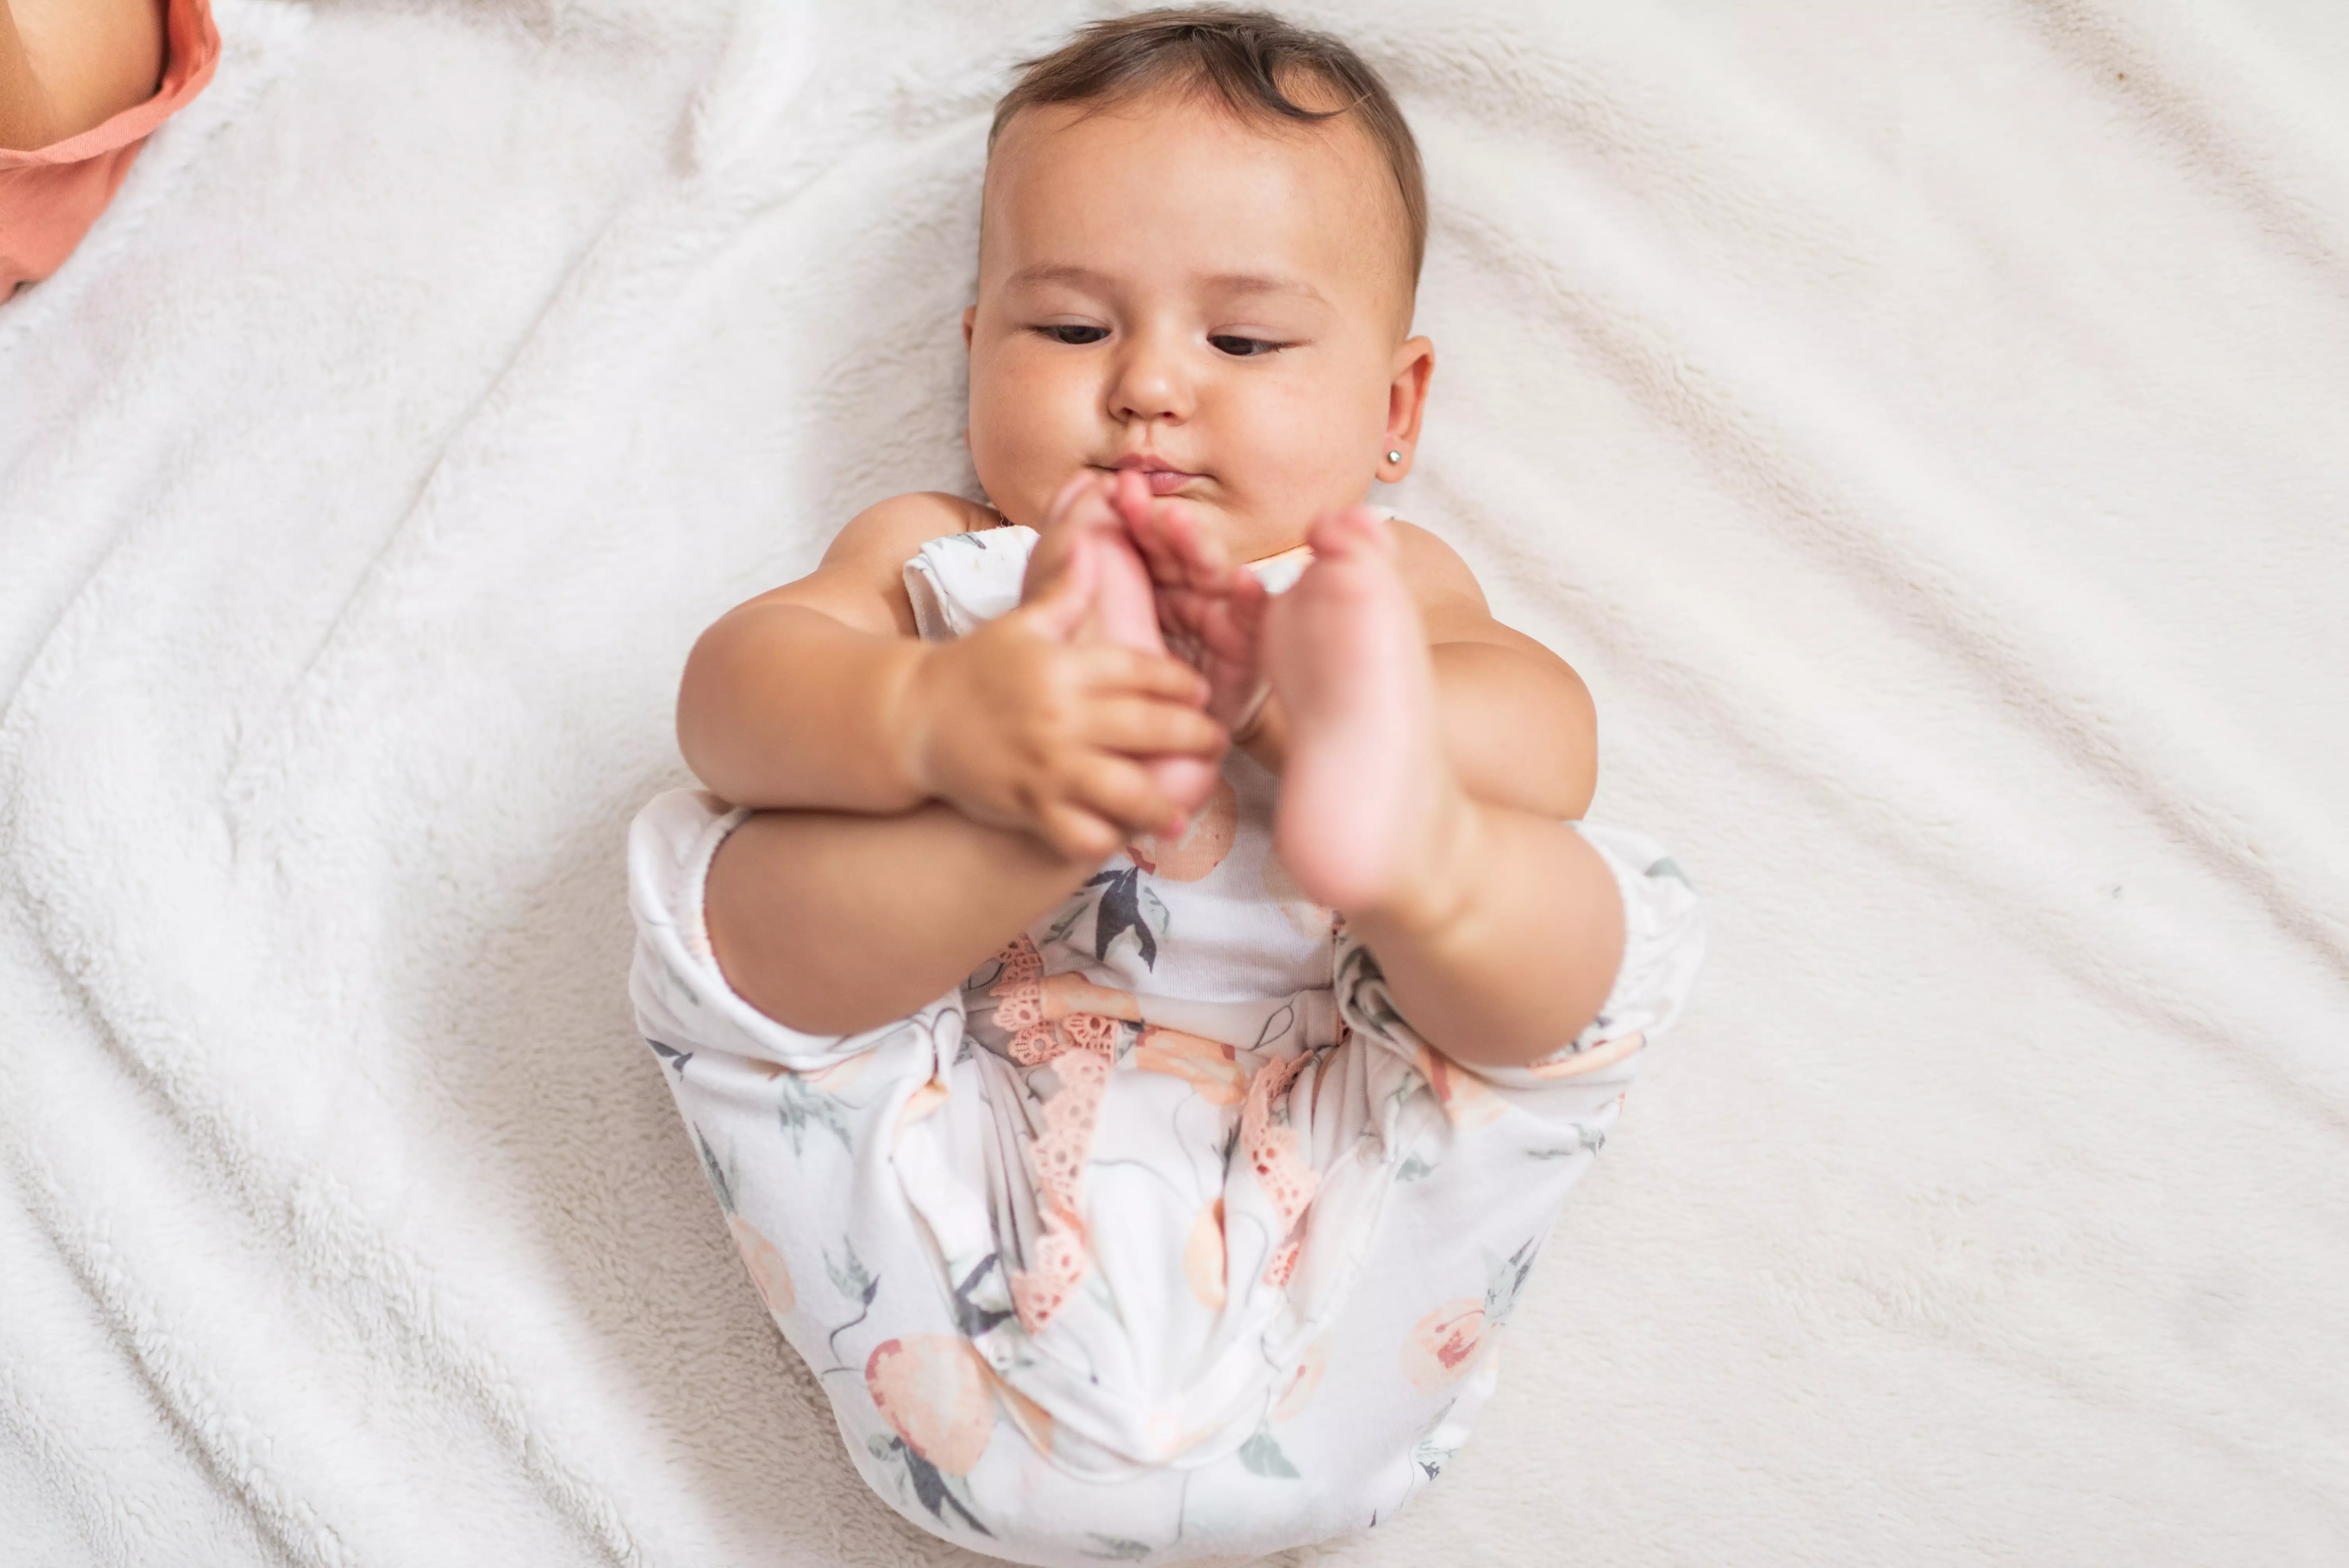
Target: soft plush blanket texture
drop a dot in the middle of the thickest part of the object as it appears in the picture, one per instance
(1927, 427)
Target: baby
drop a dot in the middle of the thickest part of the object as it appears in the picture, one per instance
(1137, 985)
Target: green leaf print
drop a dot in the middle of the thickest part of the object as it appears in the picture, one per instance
(802, 1108)
(1068, 919)
(1263, 1456)
(849, 1276)
(1117, 1549)
(1508, 1282)
(1429, 1455)
(934, 1491)
(718, 1182)
(1362, 987)
(851, 1279)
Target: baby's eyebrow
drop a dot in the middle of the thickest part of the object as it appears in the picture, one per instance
(1096, 281)
(1262, 282)
(1058, 273)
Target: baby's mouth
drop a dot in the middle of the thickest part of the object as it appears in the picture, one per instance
(1162, 478)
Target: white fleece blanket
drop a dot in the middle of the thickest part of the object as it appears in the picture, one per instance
(1924, 426)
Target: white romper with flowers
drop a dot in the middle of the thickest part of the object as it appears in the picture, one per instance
(1164, 1237)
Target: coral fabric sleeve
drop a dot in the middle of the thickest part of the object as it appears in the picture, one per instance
(50, 196)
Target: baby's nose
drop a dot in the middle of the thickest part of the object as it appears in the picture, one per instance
(1149, 382)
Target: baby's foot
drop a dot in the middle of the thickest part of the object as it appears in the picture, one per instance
(1125, 612)
(1211, 612)
(1369, 804)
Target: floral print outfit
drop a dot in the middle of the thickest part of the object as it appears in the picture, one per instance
(1164, 1237)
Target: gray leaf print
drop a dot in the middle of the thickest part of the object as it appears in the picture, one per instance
(1263, 1456)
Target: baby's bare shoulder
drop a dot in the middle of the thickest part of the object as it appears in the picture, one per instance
(1449, 598)
(861, 579)
(1451, 602)
(885, 535)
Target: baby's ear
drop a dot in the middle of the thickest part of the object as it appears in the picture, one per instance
(969, 317)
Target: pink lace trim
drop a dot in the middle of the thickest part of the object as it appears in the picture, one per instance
(1021, 1007)
(1081, 1048)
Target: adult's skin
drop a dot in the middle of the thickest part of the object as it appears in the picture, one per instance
(70, 65)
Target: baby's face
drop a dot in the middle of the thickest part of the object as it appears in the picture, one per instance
(1163, 286)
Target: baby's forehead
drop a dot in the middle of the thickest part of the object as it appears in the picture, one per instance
(1170, 157)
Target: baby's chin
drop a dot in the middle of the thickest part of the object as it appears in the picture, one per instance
(1248, 525)
(1245, 531)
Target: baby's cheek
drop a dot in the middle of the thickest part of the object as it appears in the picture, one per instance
(1031, 429)
(1304, 446)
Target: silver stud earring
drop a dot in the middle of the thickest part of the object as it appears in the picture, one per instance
(1394, 456)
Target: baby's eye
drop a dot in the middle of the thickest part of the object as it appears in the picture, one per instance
(1074, 335)
(1242, 347)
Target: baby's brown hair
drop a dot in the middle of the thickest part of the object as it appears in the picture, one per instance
(1247, 59)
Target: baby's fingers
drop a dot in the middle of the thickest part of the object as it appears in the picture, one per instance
(1110, 668)
(1078, 834)
(1140, 727)
(1122, 789)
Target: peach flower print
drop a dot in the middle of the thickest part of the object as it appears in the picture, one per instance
(1467, 1100)
(765, 1263)
(1210, 1066)
(832, 1079)
(1443, 1345)
(1202, 846)
(935, 1391)
(1303, 1380)
(918, 1105)
(1606, 1053)
(1203, 1255)
(1031, 1419)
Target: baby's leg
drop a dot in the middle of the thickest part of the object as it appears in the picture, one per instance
(68, 66)
(1499, 931)
(830, 922)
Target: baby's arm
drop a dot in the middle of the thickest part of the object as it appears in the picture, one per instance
(68, 66)
(923, 801)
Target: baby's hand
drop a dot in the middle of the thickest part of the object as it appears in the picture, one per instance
(1211, 610)
(1031, 723)
(1124, 605)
